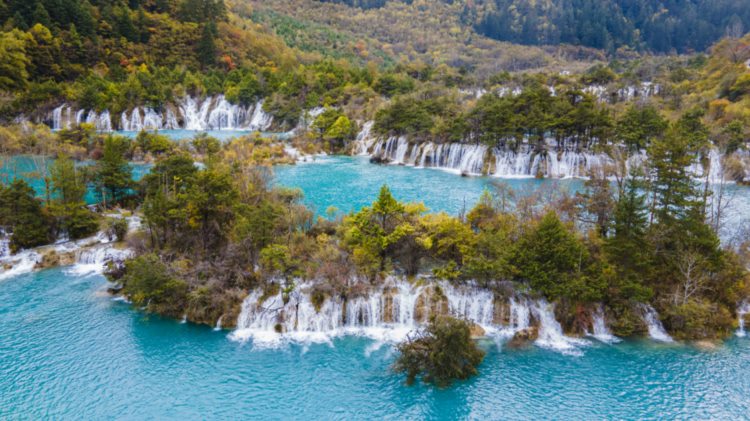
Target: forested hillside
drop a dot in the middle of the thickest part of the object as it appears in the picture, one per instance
(644, 25)
(432, 32)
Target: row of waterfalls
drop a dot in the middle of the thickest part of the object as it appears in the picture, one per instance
(524, 161)
(190, 113)
(390, 312)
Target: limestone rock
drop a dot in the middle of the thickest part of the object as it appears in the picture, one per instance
(477, 331)
(523, 337)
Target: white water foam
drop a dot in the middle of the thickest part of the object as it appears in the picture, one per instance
(388, 314)
(20, 263)
(473, 159)
(742, 311)
(550, 332)
(655, 329)
(600, 330)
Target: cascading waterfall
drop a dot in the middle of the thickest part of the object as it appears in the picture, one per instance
(19, 263)
(550, 332)
(477, 159)
(94, 259)
(89, 255)
(742, 311)
(212, 113)
(364, 141)
(62, 117)
(218, 324)
(655, 329)
(475, 304)
(4, 245)
(389, 313)
(600, 330)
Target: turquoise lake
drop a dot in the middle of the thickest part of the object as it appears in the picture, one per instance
(69, 351)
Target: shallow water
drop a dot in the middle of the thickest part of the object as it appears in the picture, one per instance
(68, 351)
(348, 183)
(30, 169)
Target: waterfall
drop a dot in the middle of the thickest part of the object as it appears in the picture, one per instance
(195, 116)
(550, 332)
(20, 263)
(742, 311)
(364, 142)
(601, 331)
(520, 314)
(152, 119)
(62, 117)
(94, 259)
(260, 120)
(171, 120)
(184, 319)
(4, 245)
(655, 329)
(475, 304)
(390, 312)
(102, 122)
(457, 157)
(226, 116)
(218, 324)
(212, 113)
(470, 158)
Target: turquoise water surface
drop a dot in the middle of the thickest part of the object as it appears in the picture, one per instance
(68, 351)
(30, 169)
(348, 183)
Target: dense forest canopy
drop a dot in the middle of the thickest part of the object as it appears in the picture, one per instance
(651, 25)
(643, 25)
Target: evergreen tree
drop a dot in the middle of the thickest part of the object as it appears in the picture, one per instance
(207, 45)
(629, 248)
(639, 126)
(23, 214)
(113, 174)
(13, 60)
(375, 232)
(68, 206)
(552, 261)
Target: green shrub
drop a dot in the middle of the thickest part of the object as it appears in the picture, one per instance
(117, 228)
(443, 352)
(148, 282)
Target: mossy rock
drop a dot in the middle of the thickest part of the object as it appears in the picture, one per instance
(49, 260)
(477, 331)
(524, 337)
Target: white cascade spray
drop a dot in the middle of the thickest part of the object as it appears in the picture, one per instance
(19, 263)
(742, 311)
(655, 329)
(94, 259)
(388, 313)
(260, 120)
(218, 324)
(599, 325)
(4, 245)
(550, 332)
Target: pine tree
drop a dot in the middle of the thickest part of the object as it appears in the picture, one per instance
(68, 206)
(113, 173)
(23, 214)
(207, 46)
